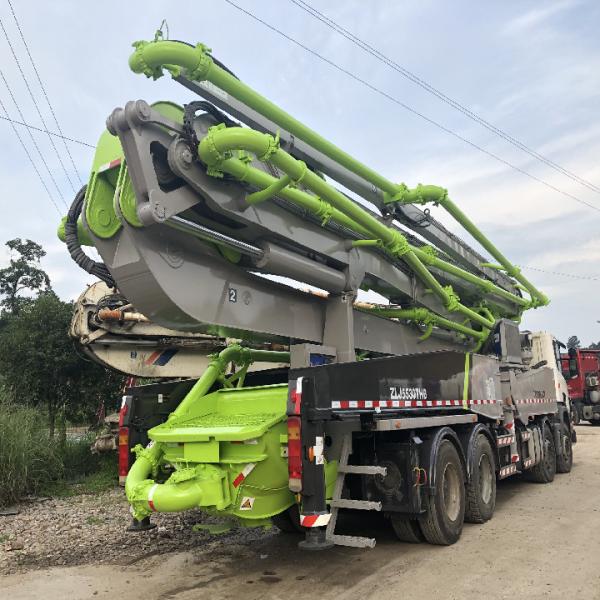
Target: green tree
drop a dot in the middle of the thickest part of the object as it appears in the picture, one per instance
(40, 366)
(573, 342)
(23, 273)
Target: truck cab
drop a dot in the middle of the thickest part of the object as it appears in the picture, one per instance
(545, 349)
(581, 368)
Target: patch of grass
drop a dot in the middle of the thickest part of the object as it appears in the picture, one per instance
(91, 520)
(3, 538)
(28, 459)
(33, 463)
(103, 478)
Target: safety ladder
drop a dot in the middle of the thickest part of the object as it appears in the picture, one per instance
(337, 502)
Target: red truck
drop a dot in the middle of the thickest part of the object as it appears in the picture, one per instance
(581, 369)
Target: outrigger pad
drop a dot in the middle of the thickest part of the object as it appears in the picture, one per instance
(143, 525)
(315, 540)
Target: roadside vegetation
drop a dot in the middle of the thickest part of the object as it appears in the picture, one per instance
(45, 385)
(34, 463)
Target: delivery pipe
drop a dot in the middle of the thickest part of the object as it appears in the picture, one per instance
(216, 149)
(151, 57)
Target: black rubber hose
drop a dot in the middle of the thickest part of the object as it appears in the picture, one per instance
(72, 240)
(189, 112)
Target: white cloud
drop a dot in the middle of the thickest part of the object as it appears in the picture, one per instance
(533, 18)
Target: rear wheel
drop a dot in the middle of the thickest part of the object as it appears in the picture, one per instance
(545, 470)
(481, 489)
(406, 530)
(564, 456)
(443, 522)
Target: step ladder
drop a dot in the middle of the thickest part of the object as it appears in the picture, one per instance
(337, 502)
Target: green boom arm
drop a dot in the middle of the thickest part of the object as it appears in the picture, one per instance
(151, 58)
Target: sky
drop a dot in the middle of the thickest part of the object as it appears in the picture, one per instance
(531, 69)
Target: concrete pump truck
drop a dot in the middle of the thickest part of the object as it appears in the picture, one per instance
(413, 407)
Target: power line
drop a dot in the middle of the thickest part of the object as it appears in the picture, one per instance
(411, 109)
(29, 126)
(32, 138)
(306, 7)
(30, 157)
(571, 275)
(37, 108)
(64, 139)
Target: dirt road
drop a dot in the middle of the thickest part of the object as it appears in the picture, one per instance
(543, 542)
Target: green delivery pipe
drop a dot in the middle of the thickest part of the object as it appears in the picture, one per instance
(217, 367)
(205, 486)
(485, 284)
(258, 178)
(150, 58)
(216, 150)
(424, 194)
(426, 317)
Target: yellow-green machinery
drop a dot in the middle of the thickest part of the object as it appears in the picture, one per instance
(194, 209)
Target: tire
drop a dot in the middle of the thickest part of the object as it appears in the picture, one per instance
(564, 456)
(576, 418)
(288, 520)
(545, 470)
(406, 530)
(442, 524)
(481, 489)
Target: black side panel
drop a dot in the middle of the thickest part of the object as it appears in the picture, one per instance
(425, 376)
(150, 406)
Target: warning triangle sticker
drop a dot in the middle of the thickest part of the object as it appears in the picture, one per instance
(247, 503)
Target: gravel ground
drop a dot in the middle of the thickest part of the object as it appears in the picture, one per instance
(543, 542)
(88, 529)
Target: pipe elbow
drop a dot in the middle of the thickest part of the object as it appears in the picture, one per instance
(150, 58)
(202, 486)
(218, 144)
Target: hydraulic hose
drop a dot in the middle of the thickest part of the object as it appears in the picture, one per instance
(72, 240)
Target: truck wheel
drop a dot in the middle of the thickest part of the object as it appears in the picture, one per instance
(481, 489)
(443, 522)
(406, 530)
(564, 456)
(545, 470)
(288, 520)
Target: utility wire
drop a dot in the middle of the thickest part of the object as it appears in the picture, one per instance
(571, 275)
(29, 126)
(37, 108)
(64, 139)
(409, 108)
(306, 7)
(32, 138)
(30, 157)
